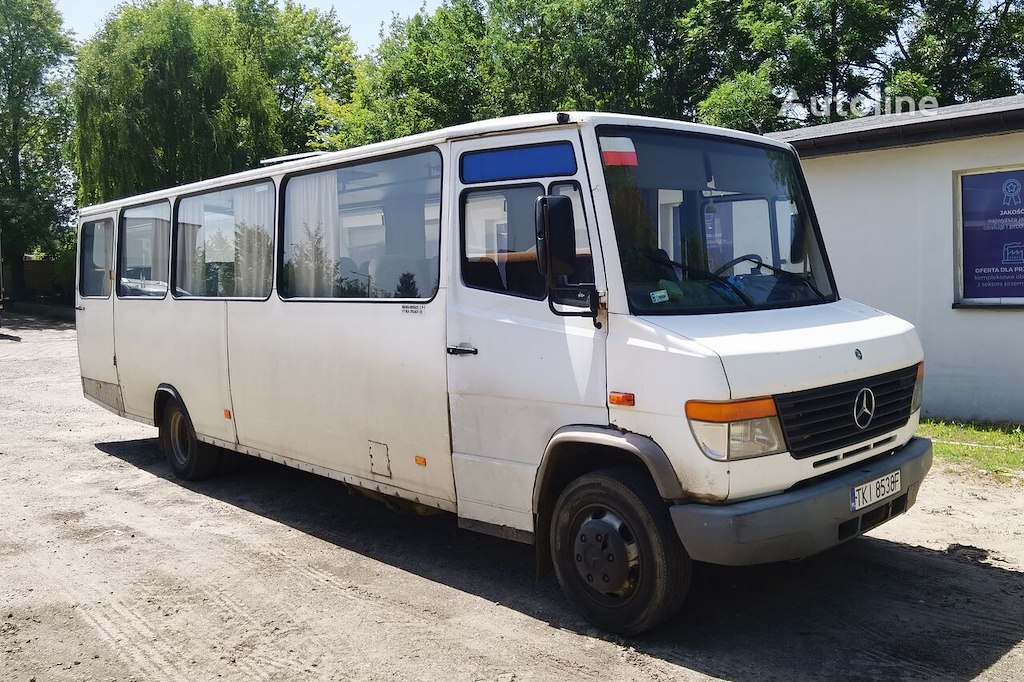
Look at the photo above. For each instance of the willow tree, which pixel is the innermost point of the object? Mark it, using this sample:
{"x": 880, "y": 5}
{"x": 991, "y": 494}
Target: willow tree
{"x": 163, "y": 96}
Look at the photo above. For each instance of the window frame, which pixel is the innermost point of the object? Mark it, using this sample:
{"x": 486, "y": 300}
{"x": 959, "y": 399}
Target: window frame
{"x": 121, "y": 245}
{"x": 282, "y": 207}
{"x": 961, "y": 301}
{"x": 173, "y": 280}
{"x": 462, "y": 233}
{"x": 112, "y": 254}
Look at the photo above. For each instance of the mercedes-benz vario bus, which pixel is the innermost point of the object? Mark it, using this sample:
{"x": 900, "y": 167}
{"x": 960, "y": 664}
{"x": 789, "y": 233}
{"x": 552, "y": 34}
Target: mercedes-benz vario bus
{"x": 616, "y": 338}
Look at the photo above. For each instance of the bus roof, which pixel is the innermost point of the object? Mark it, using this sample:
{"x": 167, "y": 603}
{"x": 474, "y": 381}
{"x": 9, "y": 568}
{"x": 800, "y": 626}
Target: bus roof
{"x": 495, "y": 126}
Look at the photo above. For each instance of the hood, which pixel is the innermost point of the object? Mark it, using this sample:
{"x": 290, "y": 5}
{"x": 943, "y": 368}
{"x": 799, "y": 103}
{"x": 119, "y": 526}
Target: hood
{"x": 766, "y": 352}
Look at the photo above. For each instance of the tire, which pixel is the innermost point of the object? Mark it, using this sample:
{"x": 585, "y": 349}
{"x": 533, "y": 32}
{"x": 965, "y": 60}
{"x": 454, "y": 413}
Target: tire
{"x": 190, "y": 459}
{"x": 616, "y": 552}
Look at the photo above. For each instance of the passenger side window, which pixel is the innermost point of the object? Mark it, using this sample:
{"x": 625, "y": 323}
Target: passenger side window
{"x": 144, "y": 251}
{"x": 224, "y": 243}
{"x": 97, "y": 259}
{"x": 499, "y": 243}
{"x": 369, "y": 230}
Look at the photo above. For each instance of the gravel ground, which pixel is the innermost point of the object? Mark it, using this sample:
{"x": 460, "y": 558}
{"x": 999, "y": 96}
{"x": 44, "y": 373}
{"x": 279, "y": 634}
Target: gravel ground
{"x": 112, "y": 570}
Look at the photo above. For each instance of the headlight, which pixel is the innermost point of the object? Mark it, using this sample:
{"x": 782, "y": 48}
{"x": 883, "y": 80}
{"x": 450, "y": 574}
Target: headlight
{"x": 915, "y": 402}
{"x": 736, "y": 429}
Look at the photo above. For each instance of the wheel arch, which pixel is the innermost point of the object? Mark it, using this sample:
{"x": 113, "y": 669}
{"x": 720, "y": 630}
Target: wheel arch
{"x": 576, "y": 450}
{"x": 164, "y": 394}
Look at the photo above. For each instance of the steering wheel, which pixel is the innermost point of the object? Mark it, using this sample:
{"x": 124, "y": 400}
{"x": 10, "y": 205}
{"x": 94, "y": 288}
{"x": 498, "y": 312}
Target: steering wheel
{"x": 752, "y": 257}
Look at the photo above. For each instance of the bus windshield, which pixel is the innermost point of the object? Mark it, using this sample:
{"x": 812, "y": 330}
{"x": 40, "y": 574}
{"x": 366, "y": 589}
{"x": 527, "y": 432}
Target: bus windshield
{"x": 708, "y": 224}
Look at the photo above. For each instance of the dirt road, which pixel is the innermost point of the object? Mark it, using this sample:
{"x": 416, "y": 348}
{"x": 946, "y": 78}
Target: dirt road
{"x": 112, "y": 570}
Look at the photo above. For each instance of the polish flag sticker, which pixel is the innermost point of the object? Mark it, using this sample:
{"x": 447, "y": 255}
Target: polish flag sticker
{"x": 618, "y": 151}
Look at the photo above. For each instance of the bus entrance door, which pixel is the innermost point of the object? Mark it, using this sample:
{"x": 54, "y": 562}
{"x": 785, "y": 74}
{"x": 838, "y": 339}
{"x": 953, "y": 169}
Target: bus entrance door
{"x": 94, "y": 312}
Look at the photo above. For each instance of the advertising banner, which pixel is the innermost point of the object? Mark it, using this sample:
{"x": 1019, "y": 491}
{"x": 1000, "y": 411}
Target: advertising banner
{"x": 993, "y": 223}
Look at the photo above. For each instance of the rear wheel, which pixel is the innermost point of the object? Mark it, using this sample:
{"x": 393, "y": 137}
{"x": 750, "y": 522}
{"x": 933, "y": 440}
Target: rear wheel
{"x": 616, "y": 553}
{"x": 189, "y": 458}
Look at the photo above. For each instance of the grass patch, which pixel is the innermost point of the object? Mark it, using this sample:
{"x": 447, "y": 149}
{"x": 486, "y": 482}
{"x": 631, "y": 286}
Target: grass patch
{"x": 995, "y": 448}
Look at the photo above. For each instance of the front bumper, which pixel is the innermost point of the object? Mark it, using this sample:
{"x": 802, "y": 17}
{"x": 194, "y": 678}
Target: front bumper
{"x": 802, "y": 522}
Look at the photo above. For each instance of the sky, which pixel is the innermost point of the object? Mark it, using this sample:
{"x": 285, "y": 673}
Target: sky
{"x": 364, "y": 17}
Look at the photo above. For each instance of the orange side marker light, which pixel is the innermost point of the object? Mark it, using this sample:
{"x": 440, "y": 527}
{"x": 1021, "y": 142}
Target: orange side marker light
{"x": 624, "y": 399}
{"x": 422, "y": 461}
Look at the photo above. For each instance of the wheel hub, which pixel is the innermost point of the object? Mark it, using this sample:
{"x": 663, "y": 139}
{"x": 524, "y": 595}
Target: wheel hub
{"x": 601, "y": 554}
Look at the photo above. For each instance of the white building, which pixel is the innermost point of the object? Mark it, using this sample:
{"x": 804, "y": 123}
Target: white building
{"x": 923, "y": 217}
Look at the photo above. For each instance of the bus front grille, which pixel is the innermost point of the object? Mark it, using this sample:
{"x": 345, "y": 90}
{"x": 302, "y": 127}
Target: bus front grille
{"x": 822, "y": 419}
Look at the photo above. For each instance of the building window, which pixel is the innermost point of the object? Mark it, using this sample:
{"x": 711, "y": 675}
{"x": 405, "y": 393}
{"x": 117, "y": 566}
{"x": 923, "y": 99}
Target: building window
{"x": 992, "y": 237}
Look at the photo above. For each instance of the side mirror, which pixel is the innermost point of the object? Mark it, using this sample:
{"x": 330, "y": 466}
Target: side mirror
{"x": 797, "y": 238}
{"x": 556, "y": 236}
{"x": 556, "y": 256}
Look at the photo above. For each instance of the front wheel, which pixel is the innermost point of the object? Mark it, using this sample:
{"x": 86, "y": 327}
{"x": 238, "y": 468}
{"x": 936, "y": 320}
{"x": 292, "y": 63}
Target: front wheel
{"x": 189, "y": 458}
{"x": 616, "y": 553}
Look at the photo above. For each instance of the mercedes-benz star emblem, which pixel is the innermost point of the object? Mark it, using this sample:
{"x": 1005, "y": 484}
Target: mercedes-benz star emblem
{"x": 864, "y": 408}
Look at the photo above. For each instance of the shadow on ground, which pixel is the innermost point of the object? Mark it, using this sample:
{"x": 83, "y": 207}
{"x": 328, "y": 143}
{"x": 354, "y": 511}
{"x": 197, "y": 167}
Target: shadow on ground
{"x": 18, "y": 322}
{"x": 870, "y": 609}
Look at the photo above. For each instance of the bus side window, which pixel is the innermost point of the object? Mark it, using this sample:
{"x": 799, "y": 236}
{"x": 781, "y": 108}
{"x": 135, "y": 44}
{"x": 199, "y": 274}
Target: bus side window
{"x": 225, "y": 242}
{"x": 97, "y": 259}
{"x": 499, "y": 245}
{"x": 144, "y": 250}
{"x": 366, "y": 230}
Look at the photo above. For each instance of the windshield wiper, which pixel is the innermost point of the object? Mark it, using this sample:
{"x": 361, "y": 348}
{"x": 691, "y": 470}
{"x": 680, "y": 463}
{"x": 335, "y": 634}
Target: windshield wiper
{"x": 806, "y": 279}
{"x": 700, "y": 274}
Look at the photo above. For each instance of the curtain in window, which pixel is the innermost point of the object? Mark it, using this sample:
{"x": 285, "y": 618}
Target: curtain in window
{"x": 253, "y": 240}
{"x": 314, "y": 242}
{"x": 190, "y": 269}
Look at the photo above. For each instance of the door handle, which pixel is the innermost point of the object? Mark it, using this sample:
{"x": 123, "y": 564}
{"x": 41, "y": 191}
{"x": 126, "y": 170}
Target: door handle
{"x": 462, "y": 350}
{"x": 79, "y": 307}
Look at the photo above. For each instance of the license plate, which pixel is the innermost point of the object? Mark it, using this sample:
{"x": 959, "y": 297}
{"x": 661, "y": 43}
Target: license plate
{"x": 874, "y": 491}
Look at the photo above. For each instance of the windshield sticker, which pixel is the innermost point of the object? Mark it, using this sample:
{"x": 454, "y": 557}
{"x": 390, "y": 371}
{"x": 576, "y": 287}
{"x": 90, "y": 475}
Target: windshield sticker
{"x": 618, "y": 151}
{"x": 659, "y": 296}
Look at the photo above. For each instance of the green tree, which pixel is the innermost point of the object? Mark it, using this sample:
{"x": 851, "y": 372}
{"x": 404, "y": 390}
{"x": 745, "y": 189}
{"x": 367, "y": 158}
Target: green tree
{"x": 745, "y": 102}
{"x": 34, "y": 180}
{"x": 960, "y": 50}
{"x": 426, "y": 73}
{"x": 827, "y": 52}
{"x": 164, "y": 96}
{"x": 702, "y": 45}
{"x": 308, "y": 56}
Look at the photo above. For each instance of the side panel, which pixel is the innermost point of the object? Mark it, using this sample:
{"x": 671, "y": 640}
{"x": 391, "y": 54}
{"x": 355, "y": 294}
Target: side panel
{"x": 196, "y": 364}
{"x": 533, "y": 372}
{"x": 324, "y": 382}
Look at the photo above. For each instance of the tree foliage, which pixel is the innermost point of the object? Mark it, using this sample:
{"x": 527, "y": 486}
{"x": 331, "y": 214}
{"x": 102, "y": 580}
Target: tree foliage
{"x": 171, "y": 92}
{"x": 34, "y": 182}
{"x": 750, "y": 64}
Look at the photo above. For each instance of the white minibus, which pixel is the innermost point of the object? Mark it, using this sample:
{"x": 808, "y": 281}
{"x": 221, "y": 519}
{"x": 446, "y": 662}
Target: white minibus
{"x": 616, "y": 338}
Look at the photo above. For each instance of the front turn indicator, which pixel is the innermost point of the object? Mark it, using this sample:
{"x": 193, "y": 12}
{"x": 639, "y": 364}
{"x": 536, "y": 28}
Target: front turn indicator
{"x": 736, "y": 429}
